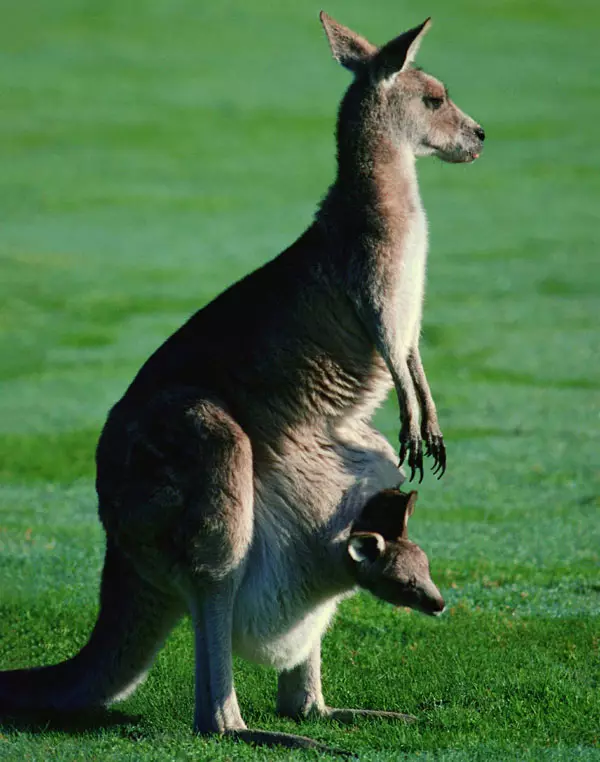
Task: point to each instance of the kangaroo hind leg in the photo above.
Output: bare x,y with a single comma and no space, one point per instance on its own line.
299,695
217,709
214,537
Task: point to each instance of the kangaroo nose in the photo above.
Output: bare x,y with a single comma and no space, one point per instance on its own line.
480,132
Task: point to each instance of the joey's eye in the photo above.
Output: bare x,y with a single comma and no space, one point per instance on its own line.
432,103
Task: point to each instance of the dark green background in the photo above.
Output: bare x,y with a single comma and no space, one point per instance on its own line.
152,152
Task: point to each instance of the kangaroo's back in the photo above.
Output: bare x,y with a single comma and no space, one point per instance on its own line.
280,347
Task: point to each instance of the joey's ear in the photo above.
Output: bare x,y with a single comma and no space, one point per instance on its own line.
400,52
409,510
347,47
365,546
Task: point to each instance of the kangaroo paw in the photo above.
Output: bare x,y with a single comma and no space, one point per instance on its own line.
435,448
411,445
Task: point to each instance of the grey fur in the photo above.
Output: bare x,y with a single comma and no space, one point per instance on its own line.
233,472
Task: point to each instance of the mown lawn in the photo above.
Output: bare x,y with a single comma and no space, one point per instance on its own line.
152,152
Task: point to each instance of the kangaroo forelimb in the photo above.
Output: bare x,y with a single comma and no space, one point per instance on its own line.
380,322
410,436
430,429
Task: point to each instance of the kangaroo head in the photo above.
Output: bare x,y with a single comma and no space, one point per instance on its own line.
412,106
384,561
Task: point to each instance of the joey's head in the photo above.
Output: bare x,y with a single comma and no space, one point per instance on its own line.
384,561
390,97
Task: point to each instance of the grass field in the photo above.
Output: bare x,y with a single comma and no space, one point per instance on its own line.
153,152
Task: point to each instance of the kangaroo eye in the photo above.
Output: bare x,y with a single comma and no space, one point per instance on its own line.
432,103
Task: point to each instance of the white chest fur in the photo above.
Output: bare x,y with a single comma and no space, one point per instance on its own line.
410,283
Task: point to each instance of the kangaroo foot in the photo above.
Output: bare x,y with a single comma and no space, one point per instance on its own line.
348,716
287,740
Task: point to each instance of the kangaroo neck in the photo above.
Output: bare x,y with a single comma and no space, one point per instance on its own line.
376,191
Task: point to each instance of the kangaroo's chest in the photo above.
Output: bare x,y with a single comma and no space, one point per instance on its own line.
409,280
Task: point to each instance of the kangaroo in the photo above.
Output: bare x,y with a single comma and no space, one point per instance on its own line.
281,610
240,440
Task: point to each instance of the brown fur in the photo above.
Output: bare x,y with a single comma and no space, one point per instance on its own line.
387,514
240,437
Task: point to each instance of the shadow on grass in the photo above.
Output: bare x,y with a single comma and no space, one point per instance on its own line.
69,722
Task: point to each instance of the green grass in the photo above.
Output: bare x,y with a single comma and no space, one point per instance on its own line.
153,152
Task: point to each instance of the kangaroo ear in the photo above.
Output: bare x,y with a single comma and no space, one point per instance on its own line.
365,546
400,52
347,47
408,511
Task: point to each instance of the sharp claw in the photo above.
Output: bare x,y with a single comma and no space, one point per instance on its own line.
412,471
402,455
421,472
403,449
442,469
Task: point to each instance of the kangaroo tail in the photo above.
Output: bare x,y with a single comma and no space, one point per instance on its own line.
133,622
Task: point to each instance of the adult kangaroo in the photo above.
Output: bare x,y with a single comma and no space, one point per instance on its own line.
244,438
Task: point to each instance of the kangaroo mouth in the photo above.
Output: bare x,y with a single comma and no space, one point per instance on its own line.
466,158
459,156
428,602
456,155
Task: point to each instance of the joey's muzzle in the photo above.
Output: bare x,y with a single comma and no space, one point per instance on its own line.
438,607
430,601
